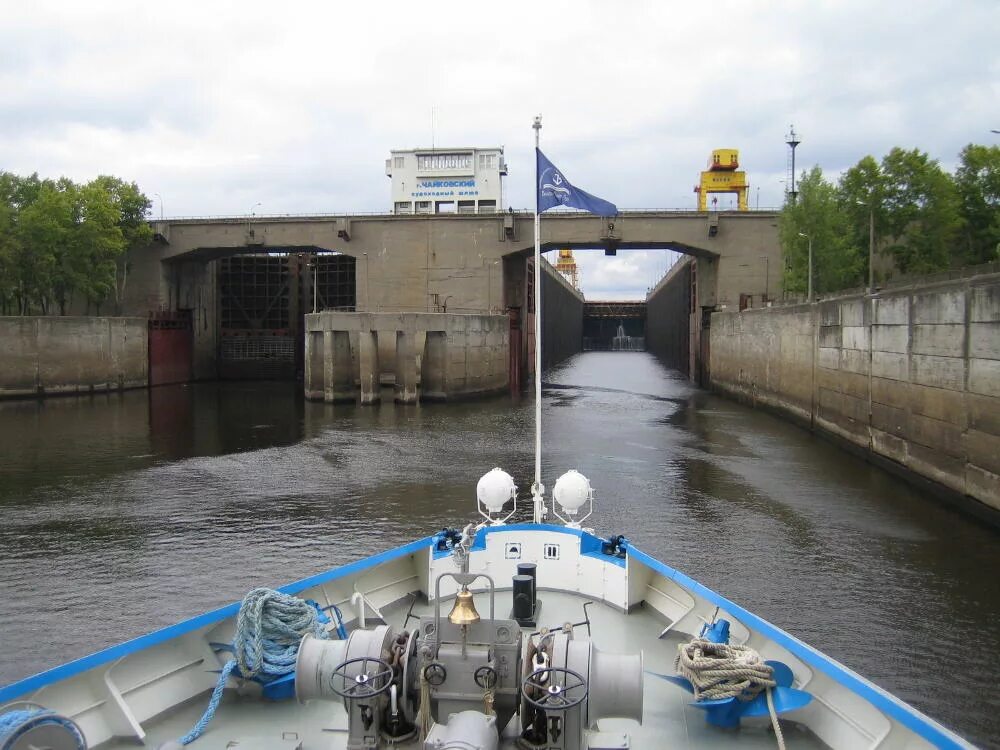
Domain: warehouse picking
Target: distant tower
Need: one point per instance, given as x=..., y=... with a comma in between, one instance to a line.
x=566, y=265
x=792, y=140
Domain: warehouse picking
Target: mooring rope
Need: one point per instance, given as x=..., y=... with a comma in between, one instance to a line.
x=718, y=671
x=269, y=628
x=14, y=725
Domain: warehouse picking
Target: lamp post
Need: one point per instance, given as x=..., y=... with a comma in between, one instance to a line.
x=809, y=294
x=161, y=204
x=250, y=218
x=315, y=265
x=871, y=245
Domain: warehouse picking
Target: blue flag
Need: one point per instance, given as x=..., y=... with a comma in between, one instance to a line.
x=554, y=190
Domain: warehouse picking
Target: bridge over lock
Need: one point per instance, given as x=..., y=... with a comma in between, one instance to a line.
x=246, y=284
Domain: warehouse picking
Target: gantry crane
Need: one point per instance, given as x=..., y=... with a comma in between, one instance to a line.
x=723, y=176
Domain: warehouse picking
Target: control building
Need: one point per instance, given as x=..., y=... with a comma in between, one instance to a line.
x=446, y=180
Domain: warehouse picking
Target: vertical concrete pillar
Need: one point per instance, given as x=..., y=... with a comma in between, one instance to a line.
x=338, y=374
x=315, y=375
x=406, y=368
x=434, y=368
x=369, y=366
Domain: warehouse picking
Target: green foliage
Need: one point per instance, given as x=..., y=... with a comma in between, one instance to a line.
x=59, y=239
x=905, y=206
x=817, y=214
x=861, y=195
x=922, y=212
x=977, y=180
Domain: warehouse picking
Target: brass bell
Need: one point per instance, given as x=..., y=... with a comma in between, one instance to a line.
x=464, y=612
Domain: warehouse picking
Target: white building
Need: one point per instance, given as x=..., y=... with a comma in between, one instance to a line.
x=446, y=180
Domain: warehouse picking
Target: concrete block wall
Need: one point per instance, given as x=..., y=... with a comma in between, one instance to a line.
x=668, y=317
x=912, y=375
x=562, y=317
x=47, y=355
x=436, y=356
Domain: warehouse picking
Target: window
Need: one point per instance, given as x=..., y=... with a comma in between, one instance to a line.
x=445, y=207
x=436, y=162
x=467, y=207
x=487, y=207
x=423, y=207
x=404, y=207
x=487, y=161
x=398, y=162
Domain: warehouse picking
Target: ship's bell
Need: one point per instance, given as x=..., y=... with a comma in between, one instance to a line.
x=464, y=612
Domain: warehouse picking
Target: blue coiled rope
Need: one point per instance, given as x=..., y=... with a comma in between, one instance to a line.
x=269, y=628
x=14, y=724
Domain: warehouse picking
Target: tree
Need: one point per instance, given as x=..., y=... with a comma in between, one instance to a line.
x=837, y=259
x=44, y=227
x=8, y=244
x=977, y=180
x=98, y=242
x=862, y=193
x=59, y=239
x=132, y=206
x=922, y=216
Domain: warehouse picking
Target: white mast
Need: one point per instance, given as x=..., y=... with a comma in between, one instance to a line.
x=538, y=489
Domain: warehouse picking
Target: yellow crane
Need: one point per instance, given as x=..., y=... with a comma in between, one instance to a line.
x=723, y=176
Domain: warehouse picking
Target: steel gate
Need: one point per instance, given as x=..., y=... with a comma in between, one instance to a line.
x=262, y=301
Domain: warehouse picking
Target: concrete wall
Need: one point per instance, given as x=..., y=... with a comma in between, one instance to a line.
x=562, y=317
x=46, y=355
x=436, y=356
x=668, y=317
x=912, y=375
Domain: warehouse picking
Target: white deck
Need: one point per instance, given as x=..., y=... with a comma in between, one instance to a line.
x=669, y=721
x=152, y=690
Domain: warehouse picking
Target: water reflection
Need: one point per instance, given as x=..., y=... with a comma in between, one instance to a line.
x=175, y=500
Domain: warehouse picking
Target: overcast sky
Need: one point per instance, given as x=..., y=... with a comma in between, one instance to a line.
x=216, y=106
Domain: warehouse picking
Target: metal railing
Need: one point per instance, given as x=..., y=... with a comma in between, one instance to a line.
x=390, y=215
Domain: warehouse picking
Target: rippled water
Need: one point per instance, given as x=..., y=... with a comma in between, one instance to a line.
x=127, y=512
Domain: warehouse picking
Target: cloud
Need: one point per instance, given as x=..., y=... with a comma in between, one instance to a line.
x=216, y=106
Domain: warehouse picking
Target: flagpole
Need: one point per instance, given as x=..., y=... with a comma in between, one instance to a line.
x=538, y=489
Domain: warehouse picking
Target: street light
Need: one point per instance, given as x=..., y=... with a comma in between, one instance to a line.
x=809, y=297
x=161, y=204
x=871, y=244
x=250, y=219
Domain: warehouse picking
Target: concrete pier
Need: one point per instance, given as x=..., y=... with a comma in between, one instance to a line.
x=438, y=356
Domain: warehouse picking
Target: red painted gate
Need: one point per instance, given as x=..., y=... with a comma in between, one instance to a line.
x=171, y=341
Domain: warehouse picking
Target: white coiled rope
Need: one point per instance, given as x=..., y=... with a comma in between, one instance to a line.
x=718, y=671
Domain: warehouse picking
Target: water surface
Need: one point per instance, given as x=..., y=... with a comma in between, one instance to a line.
x=127, y=512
